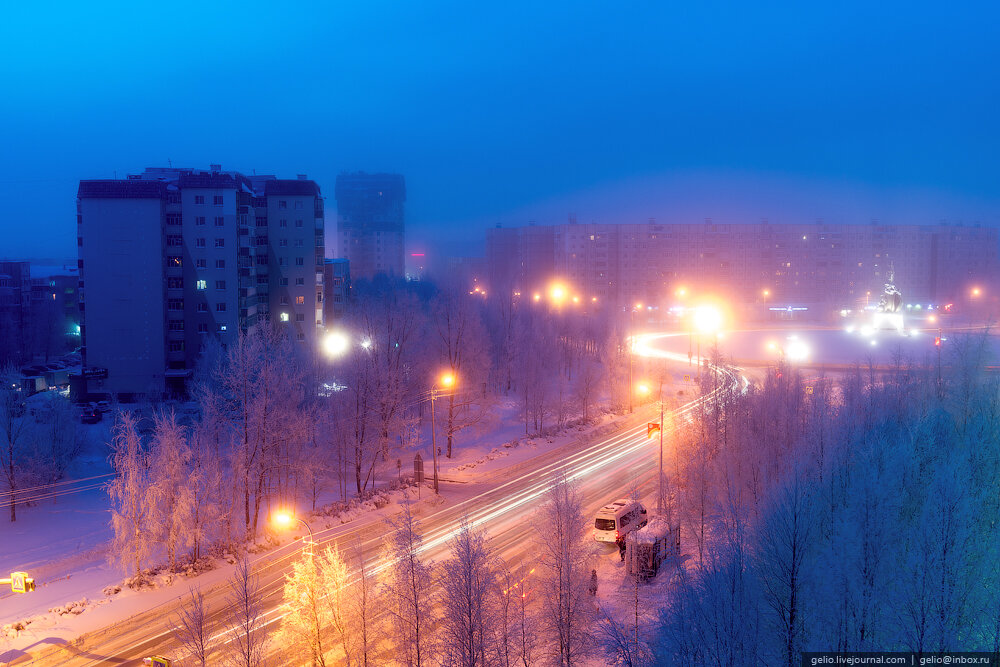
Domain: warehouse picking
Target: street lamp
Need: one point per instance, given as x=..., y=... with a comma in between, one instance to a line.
x=707, y=320
x=285, y=519
x=447, y=381
x=335, y=344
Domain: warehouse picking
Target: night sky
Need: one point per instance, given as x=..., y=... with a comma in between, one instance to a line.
x=510, y=112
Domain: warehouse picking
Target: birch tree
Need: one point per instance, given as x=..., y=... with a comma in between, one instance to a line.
x=468, y=599
x=132, y=543
x=14, y=432
x=408, y=591
x=170, y=493
x=247, y=638
x=192, y=631
x=565, y=608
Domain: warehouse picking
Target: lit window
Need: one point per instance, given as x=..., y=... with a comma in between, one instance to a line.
x=222, y=327
x=284, y=317
x=300, y=299
x=201, y=284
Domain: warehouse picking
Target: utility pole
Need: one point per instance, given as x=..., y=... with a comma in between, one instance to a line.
x=659, y=493
x=434, y=448
x=937, y=344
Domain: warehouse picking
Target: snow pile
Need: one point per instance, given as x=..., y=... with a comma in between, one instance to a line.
x=657, y=529
x=75, y=608
x=494, y=454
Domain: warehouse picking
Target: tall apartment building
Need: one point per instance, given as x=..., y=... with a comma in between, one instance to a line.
x=811, y=265
x=370, y=224
x=171, y=256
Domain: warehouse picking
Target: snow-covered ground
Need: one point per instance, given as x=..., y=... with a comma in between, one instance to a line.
x=61, y=541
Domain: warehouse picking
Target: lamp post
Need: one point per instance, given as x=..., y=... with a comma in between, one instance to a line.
x=644, y=389
x=447, y=380
x=285, y=519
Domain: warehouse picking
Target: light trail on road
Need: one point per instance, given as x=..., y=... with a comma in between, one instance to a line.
x=603, y=470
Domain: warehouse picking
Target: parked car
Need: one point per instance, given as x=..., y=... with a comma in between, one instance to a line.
x=90, y=416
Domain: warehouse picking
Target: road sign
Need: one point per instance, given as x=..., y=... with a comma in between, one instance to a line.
x=95, y=373
x=20, y=582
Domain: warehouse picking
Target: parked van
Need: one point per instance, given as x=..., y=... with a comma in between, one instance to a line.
x=618, y=519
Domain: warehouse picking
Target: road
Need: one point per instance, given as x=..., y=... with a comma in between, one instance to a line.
x=502, y=503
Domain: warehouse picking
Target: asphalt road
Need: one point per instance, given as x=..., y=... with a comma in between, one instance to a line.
x=503, y=503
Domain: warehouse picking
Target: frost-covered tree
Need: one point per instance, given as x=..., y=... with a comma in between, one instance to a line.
x=463, y=350
x=408, y=591
x=334, y=577
x=469, y=587
x=305, y=622
x=170, y=496
x=364, y=616
x=566, y=610
x=192, y=630
x=130, y=513
x=14, y=433
x=247, y=634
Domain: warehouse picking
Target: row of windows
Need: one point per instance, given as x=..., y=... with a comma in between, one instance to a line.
x=203, y=284
x=283, y=204
x=219, y=221
x=200, y=243
x=216, y=200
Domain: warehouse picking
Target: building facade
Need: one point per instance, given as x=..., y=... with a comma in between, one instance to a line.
x=172, y=256
x=370, y=223
x=817, y=266
x=336, y=289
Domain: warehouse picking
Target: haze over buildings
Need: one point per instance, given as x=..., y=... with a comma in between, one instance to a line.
x=817, y=266
x=370, y=223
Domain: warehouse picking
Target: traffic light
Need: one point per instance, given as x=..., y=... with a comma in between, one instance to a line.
x=20, y=582
x=937, y=341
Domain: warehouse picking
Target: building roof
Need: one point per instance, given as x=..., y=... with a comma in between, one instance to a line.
x=121, y=189
x=291, y=187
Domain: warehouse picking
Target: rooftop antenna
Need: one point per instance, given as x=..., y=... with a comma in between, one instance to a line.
x=170, y=163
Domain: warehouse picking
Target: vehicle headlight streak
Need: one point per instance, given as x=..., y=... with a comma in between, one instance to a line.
x=481, y=511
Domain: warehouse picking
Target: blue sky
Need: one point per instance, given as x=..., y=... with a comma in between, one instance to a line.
x=509, y=112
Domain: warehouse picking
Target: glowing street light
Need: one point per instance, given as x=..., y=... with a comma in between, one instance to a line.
x=284, y=519
x=797, y=350
x=447, y=381
x=976, y=292
x=707, y=319
x=336, y=344
x=557, y=292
